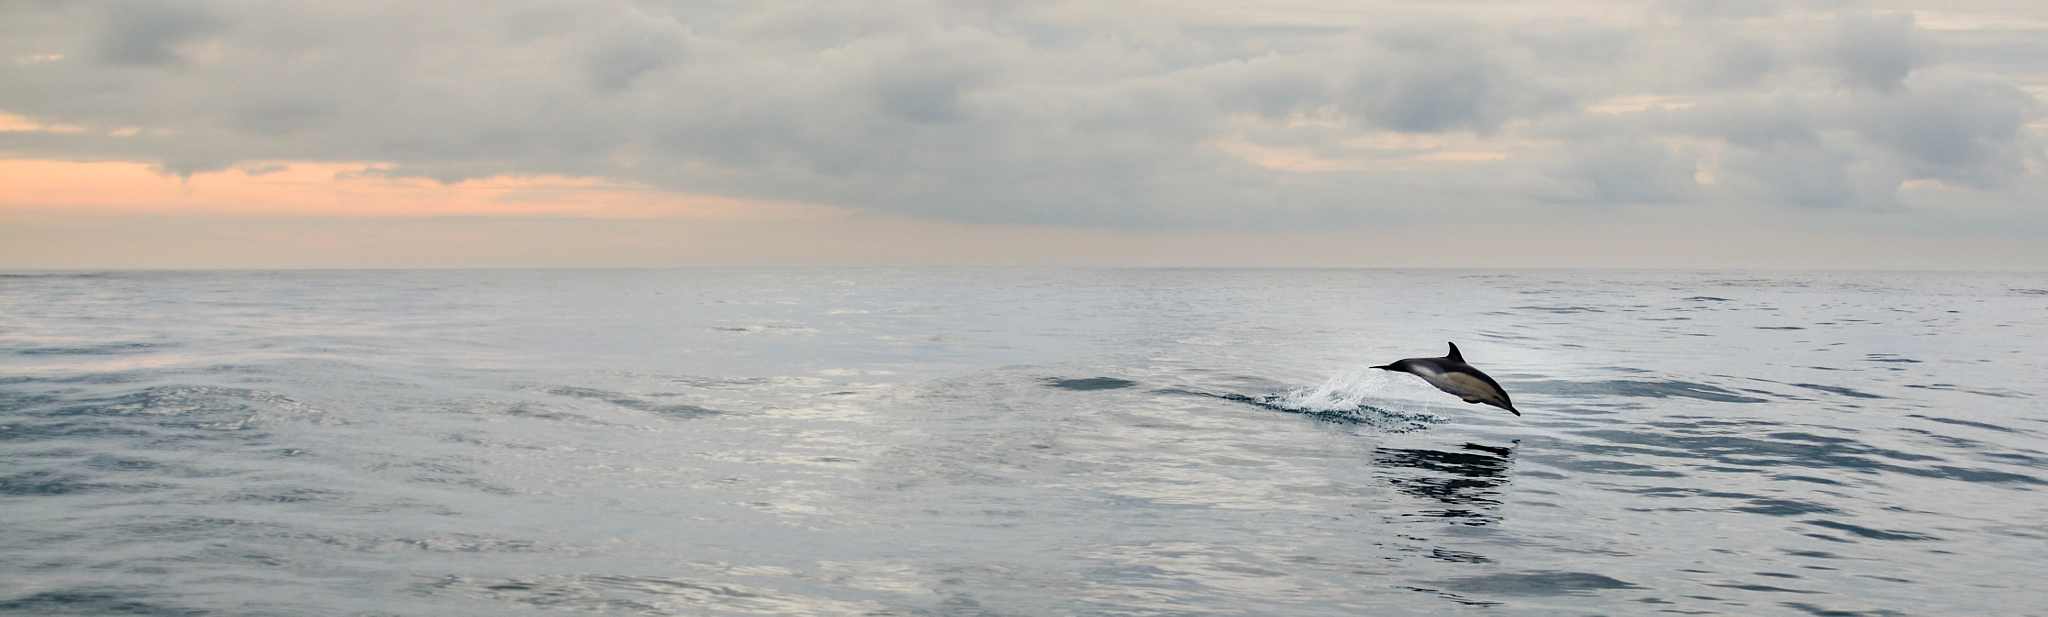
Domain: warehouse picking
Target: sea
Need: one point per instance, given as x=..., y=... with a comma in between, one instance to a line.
x=1020, y=442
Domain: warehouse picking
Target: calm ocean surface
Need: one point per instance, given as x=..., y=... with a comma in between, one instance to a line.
x=1020, y=442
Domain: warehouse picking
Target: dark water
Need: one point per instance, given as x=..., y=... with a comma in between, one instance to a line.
x=996, y=442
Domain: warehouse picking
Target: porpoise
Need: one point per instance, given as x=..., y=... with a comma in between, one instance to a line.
x=1451, y=374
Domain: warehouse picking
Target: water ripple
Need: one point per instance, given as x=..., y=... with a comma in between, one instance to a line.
x=925, y=442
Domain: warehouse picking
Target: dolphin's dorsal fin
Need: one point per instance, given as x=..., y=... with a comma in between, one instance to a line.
x=1455, y=356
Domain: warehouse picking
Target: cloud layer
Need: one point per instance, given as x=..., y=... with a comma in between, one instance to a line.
x=1104, y=114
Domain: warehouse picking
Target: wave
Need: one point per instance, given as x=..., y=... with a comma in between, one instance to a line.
x=1342, y=398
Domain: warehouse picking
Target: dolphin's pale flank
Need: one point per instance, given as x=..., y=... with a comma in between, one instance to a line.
x=1451, y=374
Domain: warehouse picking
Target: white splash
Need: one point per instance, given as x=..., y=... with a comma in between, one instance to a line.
x=1346, y=391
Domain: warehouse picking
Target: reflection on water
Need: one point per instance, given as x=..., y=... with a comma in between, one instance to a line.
x=1537, y=583
x=1467, y=482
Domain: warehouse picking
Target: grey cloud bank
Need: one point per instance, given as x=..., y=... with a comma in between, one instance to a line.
x=1183, y=115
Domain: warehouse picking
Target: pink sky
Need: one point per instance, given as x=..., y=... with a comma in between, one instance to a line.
x=355, y=189
x=65, y=214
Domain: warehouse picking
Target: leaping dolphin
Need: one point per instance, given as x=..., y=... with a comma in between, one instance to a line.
x=1451, y=374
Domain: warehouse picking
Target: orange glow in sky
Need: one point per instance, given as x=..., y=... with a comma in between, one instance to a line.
x=359, y=189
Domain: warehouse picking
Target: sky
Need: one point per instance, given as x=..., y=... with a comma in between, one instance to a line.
x=1200, y=133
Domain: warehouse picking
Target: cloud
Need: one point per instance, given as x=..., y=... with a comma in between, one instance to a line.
x=1875, y=51
x=153, y=33
x=1633, y=172
x=1297, y=115
x=1951, y=127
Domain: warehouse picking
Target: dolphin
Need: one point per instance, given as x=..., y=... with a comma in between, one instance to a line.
x=1451, y=374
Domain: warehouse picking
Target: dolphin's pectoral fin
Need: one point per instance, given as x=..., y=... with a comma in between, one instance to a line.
x=1470, y=399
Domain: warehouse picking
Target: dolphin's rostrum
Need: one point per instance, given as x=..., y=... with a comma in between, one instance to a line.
x=1451, y=374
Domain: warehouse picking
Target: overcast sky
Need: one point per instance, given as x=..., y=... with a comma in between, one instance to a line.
x=1205, y=132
